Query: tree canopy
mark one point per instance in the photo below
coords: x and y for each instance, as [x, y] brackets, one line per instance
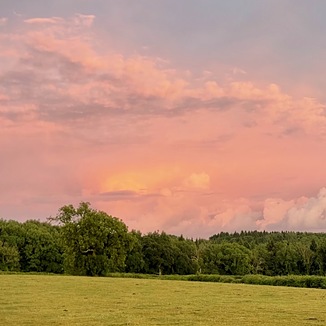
[85, 241]
[95, 243]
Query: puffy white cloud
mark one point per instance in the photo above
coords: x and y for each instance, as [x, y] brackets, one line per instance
[309, 214]
[302, 213]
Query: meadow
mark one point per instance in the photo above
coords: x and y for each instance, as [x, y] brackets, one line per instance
[71, 300]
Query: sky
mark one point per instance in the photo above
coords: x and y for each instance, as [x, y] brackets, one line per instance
[189, 117]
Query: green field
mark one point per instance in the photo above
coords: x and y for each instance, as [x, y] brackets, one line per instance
[68, 300]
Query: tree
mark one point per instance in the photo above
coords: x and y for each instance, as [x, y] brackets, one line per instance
[307, 256]
[42, 251]
[321, 257]
[226, 258]
[184, 256]
[9, 257]
[158, 253]
[134, 261]
[12, 233]
[37, 244]
[259, 256]
[95, 243]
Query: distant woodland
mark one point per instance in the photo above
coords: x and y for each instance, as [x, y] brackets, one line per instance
[84, 241]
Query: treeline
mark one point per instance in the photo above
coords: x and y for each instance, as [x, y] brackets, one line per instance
[84, 241]
[30, 247]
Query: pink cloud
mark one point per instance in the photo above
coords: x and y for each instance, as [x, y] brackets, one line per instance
[150, 143]
[302, 213]
[309, 213]
[116, 81]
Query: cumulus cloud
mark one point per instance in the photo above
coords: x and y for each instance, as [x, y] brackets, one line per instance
[179, 212]
[274, 212]
[310, 214]
[299, 214]
[198, 218]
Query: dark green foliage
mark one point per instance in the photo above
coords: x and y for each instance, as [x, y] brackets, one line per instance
[85, 241]
[135, 261]
[185, 259]
[225, 258]
[9, 257]
[41, 251]
[94, 242]
[166, 254]
[290, 280]
[321, 257]
[281, 253]
[158, 253]
[35, 245]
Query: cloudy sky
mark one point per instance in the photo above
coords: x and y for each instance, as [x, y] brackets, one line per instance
[192, 117]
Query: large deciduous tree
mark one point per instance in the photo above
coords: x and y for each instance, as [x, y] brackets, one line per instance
[95, 242]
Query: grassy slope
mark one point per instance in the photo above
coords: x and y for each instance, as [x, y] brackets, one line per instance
[67, 300]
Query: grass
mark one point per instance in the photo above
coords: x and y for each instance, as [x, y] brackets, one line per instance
[67, 300]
